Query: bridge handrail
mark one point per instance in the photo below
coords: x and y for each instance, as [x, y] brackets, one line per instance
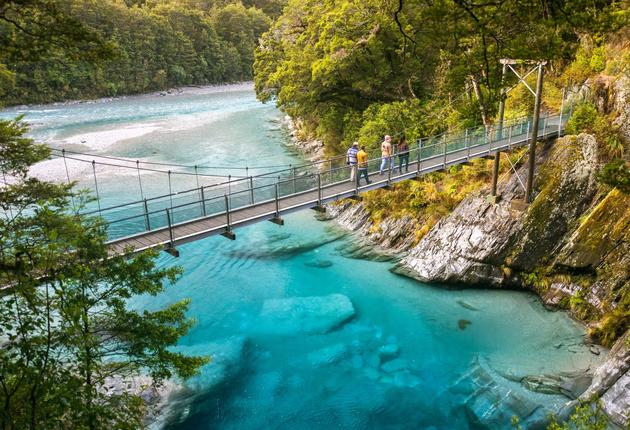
[229, 196]
[468, 138]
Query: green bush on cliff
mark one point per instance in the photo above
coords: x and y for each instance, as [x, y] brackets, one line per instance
[616, 174]
[583, 118]
[585, 417]
[614, 324]
[587, 119]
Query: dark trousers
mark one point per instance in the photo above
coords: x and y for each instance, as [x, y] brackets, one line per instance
[363, 171]
[403, 158]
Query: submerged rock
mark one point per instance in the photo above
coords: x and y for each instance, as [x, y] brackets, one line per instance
[284, 249]
[319, 264]
[395, 365]
[405, 378]
[388, 352]
[226, 360]
[466, 305]
[569, 386]
[462, 324]
[490, 401]
[308, 315]
[328, 355]
[364, 251]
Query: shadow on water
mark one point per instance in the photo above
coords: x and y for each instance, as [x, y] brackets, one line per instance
[283, 250]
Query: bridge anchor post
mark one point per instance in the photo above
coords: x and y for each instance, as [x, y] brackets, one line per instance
[228, 233]
[170, 247]
[319, 207]
[494, 198]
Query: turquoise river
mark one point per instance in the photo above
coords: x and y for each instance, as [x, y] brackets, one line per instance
[289, 350]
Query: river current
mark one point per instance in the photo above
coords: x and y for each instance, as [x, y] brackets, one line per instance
[302, 334]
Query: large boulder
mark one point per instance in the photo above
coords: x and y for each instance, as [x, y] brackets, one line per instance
[566, 188]
[393, 234]
[305, 315]
[470, 245]
[611, 383]
[466, 247]
[490, 401]
[226, 360]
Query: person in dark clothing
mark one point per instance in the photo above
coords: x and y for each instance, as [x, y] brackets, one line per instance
[403, 154]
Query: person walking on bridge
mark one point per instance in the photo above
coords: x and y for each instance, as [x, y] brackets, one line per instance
[386, 154]
[362, 159]
[351, 160]
[403, 154]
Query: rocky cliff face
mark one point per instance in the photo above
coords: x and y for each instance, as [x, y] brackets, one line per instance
[312, 148]
[392, 235]
[483, 244]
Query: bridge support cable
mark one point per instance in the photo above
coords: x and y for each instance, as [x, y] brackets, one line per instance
[540, 68]
[170, 248]
[98, 197]
[251, 190]
[139, 179]
[65, 164]
[147, 220]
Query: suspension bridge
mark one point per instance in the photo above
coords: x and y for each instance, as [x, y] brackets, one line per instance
[176, 218]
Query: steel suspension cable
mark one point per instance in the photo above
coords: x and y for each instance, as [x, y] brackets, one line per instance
[68, 177]
[98, 198]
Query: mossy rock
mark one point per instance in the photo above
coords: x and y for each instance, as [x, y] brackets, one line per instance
[606, 226]
[567, 188]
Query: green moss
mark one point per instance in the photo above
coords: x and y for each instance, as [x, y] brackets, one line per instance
[614, 324]
[581, 308]
[599, 232]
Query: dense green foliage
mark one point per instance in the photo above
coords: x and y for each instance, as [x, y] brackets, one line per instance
[65, 326]
[616, 174]
[359, 69]
[586, 416]
[137, 46]
[586, 118]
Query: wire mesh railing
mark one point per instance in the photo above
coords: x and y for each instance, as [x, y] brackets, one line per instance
[168, 210]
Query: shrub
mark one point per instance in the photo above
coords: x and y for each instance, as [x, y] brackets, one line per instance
[585, 417]
[583, 119]
[616, 174]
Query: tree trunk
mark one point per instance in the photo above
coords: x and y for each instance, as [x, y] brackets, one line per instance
[479, 95]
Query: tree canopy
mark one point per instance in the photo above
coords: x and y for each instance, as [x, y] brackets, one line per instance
[66, 325]
[75, 49]
[337, 64]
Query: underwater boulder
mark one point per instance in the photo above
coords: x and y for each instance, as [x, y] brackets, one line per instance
[328, 355]
[226, 359]
[388, 352]
[490, 401]
[395, 365]
[305, 315]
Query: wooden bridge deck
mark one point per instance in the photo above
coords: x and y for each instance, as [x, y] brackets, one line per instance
[199, 228]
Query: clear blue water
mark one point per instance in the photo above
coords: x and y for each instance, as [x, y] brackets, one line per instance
[282, 371]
